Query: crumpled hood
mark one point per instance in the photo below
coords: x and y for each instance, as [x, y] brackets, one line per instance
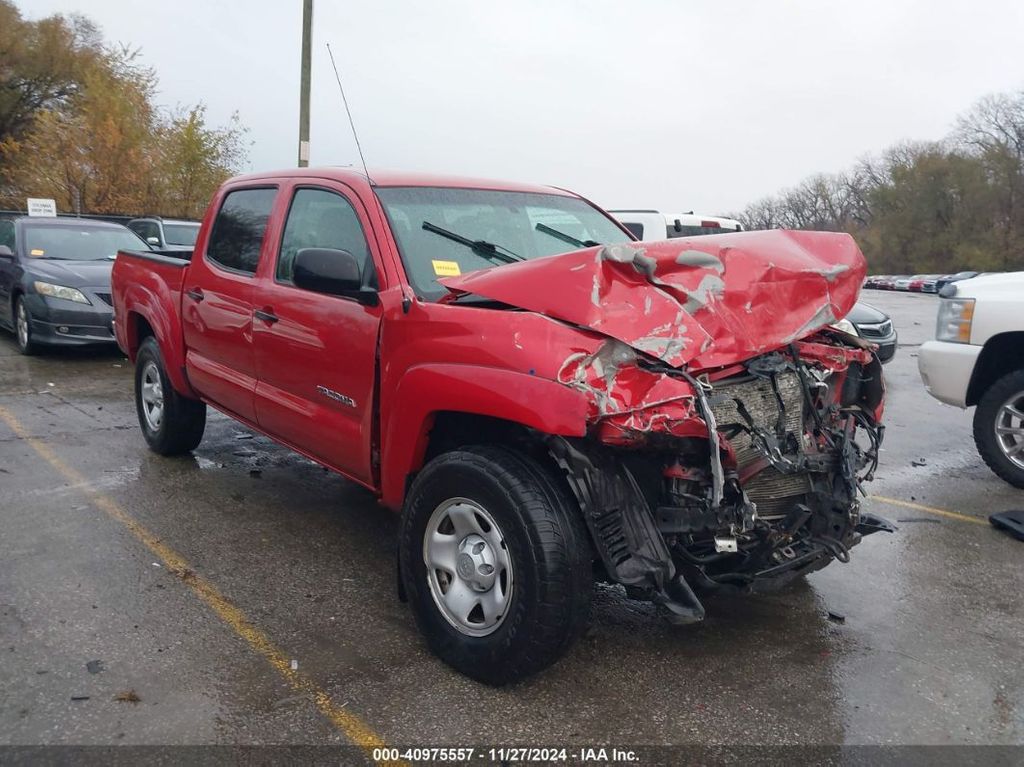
[700, 301]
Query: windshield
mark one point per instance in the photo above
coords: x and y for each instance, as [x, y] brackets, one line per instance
[181, 234]
[85, 243]
[489, 226]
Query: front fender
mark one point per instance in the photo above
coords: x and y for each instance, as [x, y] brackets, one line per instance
[423, 391]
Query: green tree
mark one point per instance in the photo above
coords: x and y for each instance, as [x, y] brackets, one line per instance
[194, 159]
[79, 123]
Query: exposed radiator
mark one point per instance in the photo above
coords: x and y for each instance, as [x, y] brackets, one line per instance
[769, 489]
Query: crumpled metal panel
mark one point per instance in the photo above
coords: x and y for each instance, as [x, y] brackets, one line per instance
[702, 302]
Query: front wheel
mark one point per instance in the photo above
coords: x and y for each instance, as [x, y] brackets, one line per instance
[23, 327]
[999, 427]
[496, 563]
[172, 424]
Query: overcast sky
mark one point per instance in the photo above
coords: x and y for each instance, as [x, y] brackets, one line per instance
[669, 105]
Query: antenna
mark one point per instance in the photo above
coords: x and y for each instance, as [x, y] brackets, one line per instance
[348, 111]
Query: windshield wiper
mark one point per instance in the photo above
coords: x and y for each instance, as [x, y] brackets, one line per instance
[480, 247]
[565, 237]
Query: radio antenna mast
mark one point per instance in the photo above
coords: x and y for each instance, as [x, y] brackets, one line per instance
[348, 111]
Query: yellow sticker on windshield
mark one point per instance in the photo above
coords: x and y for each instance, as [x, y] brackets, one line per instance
[37, 252]
[446, 268]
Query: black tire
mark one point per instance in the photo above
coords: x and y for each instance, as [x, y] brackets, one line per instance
[182, 420]
[26, 345]
[548, 547]
[985, 422]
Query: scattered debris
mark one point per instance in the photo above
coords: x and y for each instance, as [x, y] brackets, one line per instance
[95, 666]
[295, 665]
[243, 435]
[919, 462]
[185, 573]
[1010, 522]
[77, 698]
[836, 617]
[245, 453]
[127, 696]
[42, 671]
[156, 564]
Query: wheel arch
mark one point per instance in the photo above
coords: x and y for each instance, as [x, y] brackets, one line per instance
[1002, 354]
[439, 407]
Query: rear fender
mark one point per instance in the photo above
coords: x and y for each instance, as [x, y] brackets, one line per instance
[537, 403]
[152, 302]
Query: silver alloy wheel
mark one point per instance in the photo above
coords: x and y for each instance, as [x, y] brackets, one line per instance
[469, 569]
[152, 396]
[1010, 429]
[22, 324]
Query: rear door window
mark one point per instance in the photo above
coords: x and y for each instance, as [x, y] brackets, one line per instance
[239, 228]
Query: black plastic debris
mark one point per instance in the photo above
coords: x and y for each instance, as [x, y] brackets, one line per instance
[919, 462]
[836, 617]
[1010, 522]
[94, 666]
[77, 698]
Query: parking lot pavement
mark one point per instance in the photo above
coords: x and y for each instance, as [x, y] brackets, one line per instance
[112, 554]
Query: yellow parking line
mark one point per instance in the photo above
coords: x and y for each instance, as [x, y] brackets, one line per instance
[930, 509]
[356, 730]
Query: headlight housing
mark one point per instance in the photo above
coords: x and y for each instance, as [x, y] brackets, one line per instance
[846, 326]
[60, 291]
[954, 320]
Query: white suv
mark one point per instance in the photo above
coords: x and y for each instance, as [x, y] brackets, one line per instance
[977, 358]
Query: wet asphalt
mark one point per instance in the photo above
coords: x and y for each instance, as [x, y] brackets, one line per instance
[925, 644]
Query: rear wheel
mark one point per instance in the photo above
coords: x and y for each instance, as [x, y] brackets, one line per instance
[172, 424]
[999, 427]
[495, 561]
[23, 327]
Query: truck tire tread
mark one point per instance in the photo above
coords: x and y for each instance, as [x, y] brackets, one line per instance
[184, 419]
[535, 634]
[984, 418]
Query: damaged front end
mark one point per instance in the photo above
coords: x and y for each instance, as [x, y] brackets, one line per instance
[775, 496]
[731, 426]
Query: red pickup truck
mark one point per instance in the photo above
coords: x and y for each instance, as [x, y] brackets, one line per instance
[545, 400]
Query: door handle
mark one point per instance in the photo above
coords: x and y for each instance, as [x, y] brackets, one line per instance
[266, 316]
[195, 294]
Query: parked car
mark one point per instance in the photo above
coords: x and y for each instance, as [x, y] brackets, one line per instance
[977, 359]
[166, 233]
[902, 282]
[654, 225]
[55, 279]
[874, 325]
[507, 367]
[947, 279]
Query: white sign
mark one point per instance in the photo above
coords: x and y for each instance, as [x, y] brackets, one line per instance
[40, 207]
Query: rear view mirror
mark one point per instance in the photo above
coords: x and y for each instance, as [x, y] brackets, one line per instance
[333, 272]
[153, 240]
[5, 253]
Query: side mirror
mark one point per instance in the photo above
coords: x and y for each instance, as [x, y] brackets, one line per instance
[334, 272]
[5, 253]
[153, 240]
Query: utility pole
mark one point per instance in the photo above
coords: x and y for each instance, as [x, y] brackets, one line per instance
[307, 34]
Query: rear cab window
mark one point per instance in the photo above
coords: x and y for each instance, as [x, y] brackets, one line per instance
[238, 230]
